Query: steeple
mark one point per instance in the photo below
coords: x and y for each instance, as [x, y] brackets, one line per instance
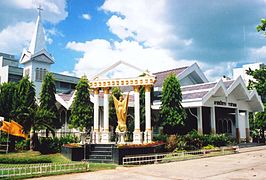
[37, 49]
[38, 39]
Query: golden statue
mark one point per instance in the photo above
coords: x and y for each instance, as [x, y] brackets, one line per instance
[121, 107]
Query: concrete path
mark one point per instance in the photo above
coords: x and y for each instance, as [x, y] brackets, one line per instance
[250, 163]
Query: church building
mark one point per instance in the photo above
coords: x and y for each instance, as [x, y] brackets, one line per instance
[222, 106]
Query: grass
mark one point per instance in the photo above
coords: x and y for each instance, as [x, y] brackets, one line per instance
[101, 166]
[31, 157]
[23, 159]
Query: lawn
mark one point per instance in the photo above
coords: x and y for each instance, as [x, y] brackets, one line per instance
[29, 158]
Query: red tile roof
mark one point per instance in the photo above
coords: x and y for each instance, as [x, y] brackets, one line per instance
[66, 96]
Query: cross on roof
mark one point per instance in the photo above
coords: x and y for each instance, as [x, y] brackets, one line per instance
[40, 9]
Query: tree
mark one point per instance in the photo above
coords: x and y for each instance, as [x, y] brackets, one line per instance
[24, 106]
[116, 91]
[25, 103]
[260, 85]
[172, 114]
[47, 110]
[262, 26]
[82, 108]
[7, 99]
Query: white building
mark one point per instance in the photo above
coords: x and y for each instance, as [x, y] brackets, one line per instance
[212, 107]
[242, 71]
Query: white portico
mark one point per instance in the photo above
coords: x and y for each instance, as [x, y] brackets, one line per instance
[97, 84]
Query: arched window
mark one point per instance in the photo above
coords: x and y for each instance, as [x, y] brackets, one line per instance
[220, 126]
[41, 74]
[225, 126]
[229, 126]
[44, 72]
[37, 74]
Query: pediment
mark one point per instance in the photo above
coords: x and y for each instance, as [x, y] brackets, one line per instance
[120, 70]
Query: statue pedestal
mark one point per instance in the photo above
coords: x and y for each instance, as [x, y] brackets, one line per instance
[147, 136]
[121, 137]
[137, 137]
[96, 137]
[105, 137]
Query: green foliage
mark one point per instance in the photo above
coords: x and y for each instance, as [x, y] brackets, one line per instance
[209, 147]
[7, 91]
[262, 26]
[82, 108]
[25, 104]
[171, 143]
[172, 113]
[260, 81]
[194, 141]
[22, 145]
[47, 112]
[116, 91]
[24, 160]
[50, 145]
[260, 85]
[160, 137]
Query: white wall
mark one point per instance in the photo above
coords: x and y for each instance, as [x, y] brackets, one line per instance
[242, 126]
[242, 71]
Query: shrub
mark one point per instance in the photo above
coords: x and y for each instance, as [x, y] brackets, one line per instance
[24, 160]
[209, 147]
[194, 141]
[22, 145]
[53, 145]
[171, 143]
[160, 137]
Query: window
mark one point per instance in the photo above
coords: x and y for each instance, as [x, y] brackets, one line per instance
[37, 74]
[27, 72]
[40, 73]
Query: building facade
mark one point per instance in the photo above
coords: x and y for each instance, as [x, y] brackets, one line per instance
[222, 106]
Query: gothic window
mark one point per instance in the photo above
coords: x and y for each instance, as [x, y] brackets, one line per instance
[44, 72]
[41, 74]
[229, 126]
[27, 72]
[37, 74]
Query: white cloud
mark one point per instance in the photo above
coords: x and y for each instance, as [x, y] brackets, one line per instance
[67, 73]
[258, 53]
[53, 11]
[11, 38]
[217, 71]
[16, 34]
[144, 21]
[86, 16]
[145, 37]
[100, 53]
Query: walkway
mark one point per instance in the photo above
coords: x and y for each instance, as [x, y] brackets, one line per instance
[249, 164]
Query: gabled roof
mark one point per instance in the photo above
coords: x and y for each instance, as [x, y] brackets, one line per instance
[181, 73]
[161, 76]
[102, 73]
[203, 92]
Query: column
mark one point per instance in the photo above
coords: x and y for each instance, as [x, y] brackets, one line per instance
[213, 123]
[105, 133]
[237, 125]
[247, 126]
[137, 136]
[96, 134]
[199, 115]
[148, 132]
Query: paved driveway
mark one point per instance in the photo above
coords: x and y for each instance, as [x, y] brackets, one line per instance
[249, 164]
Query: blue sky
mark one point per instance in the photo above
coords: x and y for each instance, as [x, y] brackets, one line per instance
[85, 36]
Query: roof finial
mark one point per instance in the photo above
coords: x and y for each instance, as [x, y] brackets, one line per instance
[40, 9]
